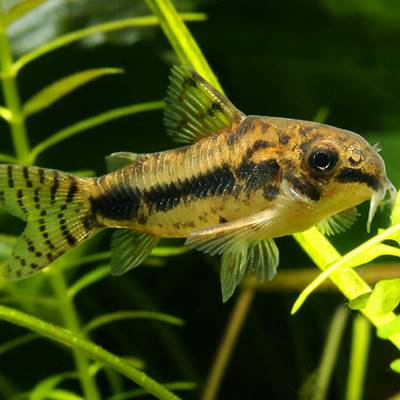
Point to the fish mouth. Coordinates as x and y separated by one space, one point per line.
377 198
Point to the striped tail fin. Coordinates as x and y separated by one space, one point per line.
57 210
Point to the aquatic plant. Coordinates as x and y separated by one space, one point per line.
376 304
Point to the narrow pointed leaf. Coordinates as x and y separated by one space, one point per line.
5 113
181 39
97 353
57 90
106 27
385 297
123 315
20 9
43 389
395 365
92 122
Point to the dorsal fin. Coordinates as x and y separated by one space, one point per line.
195 109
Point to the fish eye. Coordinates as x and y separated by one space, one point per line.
323 159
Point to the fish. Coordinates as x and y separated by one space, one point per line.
236 183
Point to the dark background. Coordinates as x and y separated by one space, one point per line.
279 58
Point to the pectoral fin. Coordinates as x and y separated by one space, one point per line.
338 223
194 109
129 249
244 247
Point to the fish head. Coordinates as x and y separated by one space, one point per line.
335 169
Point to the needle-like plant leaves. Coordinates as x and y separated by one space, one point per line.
88 279
83 346
106 27
43 389
395 365
19 10
92 122
57 90
124 315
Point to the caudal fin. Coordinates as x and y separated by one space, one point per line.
57 210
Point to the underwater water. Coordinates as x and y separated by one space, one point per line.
321 60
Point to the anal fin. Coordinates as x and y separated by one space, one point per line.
129 249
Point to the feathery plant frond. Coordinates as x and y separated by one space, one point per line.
72 334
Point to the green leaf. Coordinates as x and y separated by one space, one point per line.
5 113
92 122
122 315
181 39
20 9
359 302
391 328
385 297
89 279
395 217
97 353
57 90
106 27
42 390
7 159
165 251
139 393
395 365
16 342
62 394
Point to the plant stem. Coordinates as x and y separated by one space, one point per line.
11 98
68 312
95 352
358 359
329 355
228 342
348 281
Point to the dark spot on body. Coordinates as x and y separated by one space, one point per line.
34 266
142 219
257 145
283 138
270 192
88 222
350 175
190 81
38 254
222 220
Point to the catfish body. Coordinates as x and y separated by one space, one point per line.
242 181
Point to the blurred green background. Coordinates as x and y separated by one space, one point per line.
273 57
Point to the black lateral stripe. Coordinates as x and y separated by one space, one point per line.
54 187
119 203
217 182
10 176
351 175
